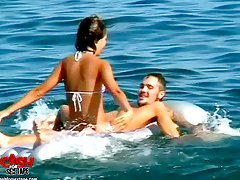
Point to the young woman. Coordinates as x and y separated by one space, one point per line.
84 74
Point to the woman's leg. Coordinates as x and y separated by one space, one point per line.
35 139
24 140
62 117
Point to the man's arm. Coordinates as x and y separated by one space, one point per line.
145 115
171 114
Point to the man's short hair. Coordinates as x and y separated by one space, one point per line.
160 78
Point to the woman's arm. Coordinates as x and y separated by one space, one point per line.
35 93
110 83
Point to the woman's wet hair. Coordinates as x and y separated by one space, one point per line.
90 31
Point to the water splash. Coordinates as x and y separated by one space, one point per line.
99 146
82 147
40 112
103 147
218 122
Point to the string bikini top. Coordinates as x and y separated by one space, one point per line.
78 55
76 97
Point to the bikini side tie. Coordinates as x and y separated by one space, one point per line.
77 99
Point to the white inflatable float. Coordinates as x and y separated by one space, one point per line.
190 112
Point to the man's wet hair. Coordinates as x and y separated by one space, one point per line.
160 78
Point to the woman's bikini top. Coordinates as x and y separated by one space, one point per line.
76 97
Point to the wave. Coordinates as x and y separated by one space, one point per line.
103 146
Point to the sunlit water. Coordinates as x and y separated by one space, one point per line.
194 44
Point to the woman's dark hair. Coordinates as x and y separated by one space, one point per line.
90 31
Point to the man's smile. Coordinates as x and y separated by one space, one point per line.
143 95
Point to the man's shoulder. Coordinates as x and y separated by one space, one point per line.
134 106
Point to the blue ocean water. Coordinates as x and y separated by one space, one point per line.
195 44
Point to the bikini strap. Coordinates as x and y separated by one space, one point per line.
78 55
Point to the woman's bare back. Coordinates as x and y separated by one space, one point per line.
83 85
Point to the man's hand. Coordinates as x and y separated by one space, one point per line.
121 122
3 114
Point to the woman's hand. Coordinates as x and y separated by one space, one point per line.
4 114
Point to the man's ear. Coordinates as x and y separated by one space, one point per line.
161 95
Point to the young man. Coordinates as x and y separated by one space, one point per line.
150 109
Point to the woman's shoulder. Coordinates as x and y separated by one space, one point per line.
68 58
101 62
93 58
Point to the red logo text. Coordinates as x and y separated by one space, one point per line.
7 161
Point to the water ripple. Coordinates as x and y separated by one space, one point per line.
195 45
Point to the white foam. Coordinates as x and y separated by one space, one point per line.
40 112
218 122
104 146
95 146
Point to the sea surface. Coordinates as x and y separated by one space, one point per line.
194 44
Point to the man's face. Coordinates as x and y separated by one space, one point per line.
149 91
